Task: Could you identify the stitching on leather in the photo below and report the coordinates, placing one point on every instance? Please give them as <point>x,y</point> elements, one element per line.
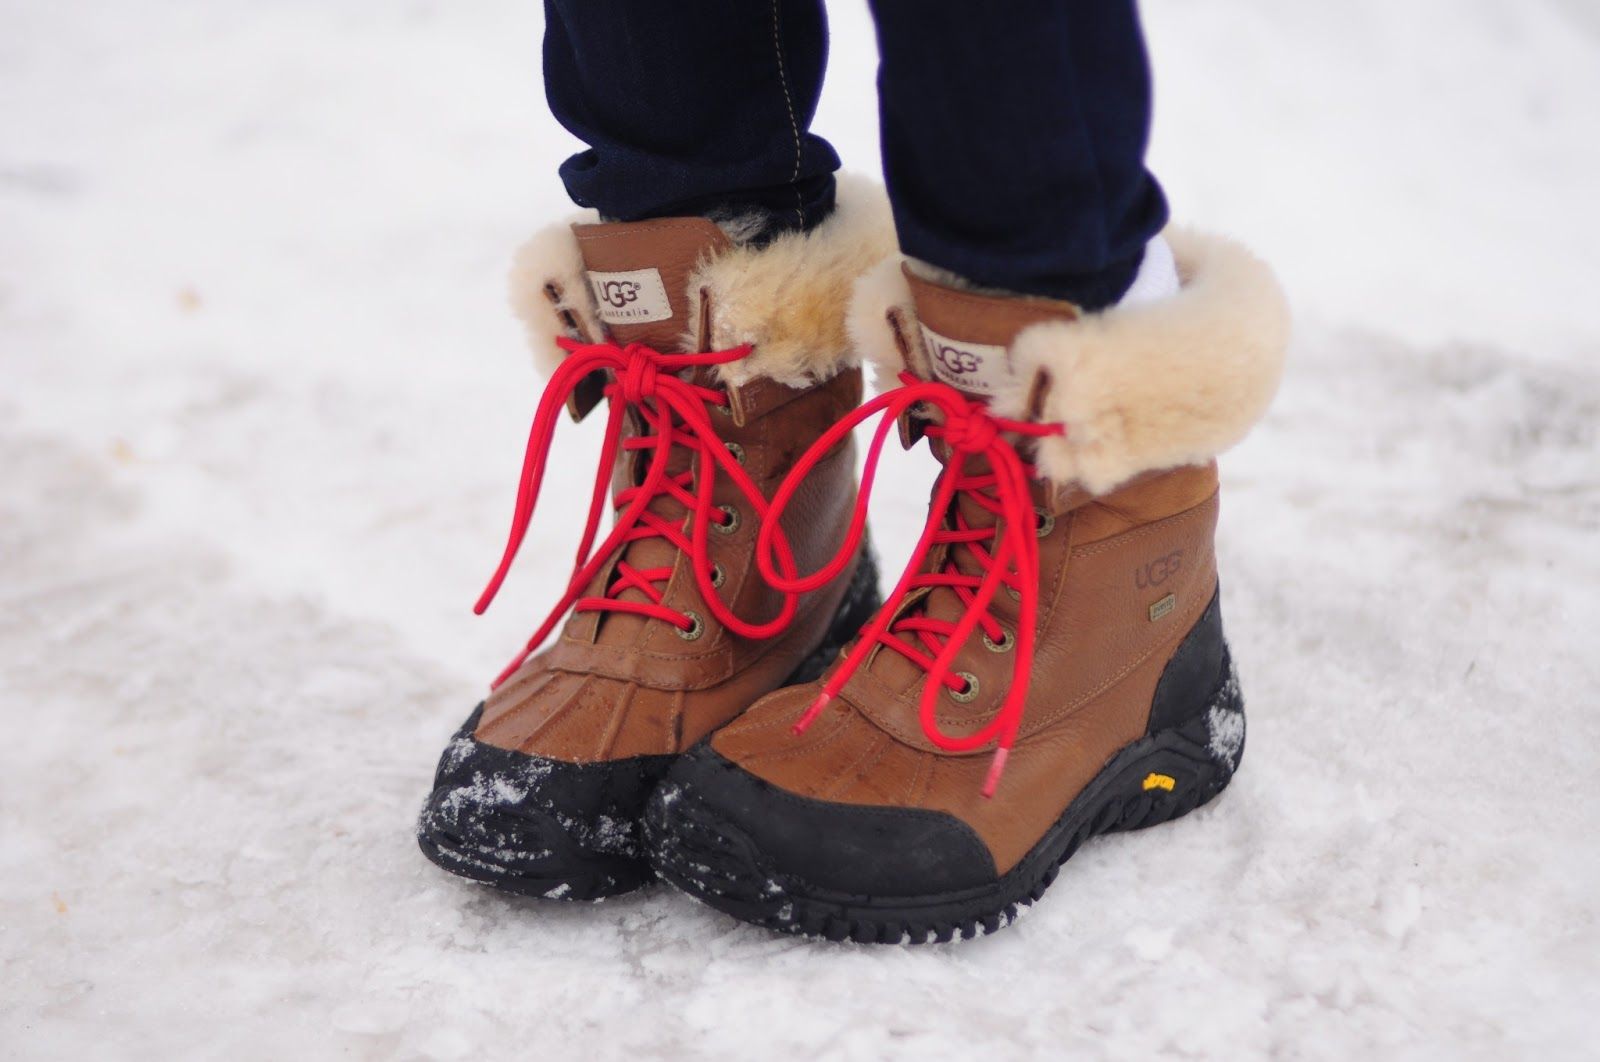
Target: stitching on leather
<point>751,726</point>
<point>1033,724</point>
<point>794,751</point>
<point>843,779</point>
<point>1111,543</point>
<point>1181,630</point>
<point>1050,307</point>
<point>619,715</point>
<point>663,226</point>
<point>674,721</point>
<point>917,786</point>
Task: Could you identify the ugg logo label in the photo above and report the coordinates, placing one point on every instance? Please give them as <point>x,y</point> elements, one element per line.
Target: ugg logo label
<point>1158,571</point>
<point>955,360</point>
<point>636,296</point>
<point>977,368</point>
<point>618,293</point>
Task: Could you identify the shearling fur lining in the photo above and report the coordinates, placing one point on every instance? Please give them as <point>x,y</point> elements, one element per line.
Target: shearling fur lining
<point>1153,386</point>
<point>548,292</point>
<point>881,318</point>
<point>1165,383</point>
<point>787,299</point>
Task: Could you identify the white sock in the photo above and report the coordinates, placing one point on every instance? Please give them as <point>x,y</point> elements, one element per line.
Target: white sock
<point>1157,277</point>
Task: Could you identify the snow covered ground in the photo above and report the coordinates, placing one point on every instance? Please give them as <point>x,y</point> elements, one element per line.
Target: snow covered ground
<point>261,409</point>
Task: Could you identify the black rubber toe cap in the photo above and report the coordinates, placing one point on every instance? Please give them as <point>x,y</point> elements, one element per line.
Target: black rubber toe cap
<point>535,825</point>
<point>713,826</point>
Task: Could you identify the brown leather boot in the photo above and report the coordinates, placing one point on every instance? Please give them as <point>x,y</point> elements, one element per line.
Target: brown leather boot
<point>1051,666</point>
<point>718,365</point>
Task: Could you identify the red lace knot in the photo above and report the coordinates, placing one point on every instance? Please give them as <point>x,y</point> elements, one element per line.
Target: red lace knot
<point>671,412</point>
<point>637,380</point>
<point>970,429</point>
<point>1006,554</point>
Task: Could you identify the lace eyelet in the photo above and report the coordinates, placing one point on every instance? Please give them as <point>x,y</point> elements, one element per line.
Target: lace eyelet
<point>718,576</point>
<point>696,627</point>
<point>725,407</point>
<point>1004,645</point>
<point>1047,522</point>
<point>733,520</point>
<point>736,450</point>
<point>1014,593</point>
<point>967,694</point>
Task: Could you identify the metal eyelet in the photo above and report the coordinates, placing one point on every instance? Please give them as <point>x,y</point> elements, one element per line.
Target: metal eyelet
<point>718,576</point>
<point>725,407</point>
<point>733,520</point>
<point>736,450</point>
<point>1004,645</point>
<point>1047,522</point>
<point>967,694</point>
<point>696,628</point>
<point>1014,593</point>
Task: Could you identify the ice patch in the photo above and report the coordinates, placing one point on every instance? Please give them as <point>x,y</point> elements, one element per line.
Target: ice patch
<point>613,835</point>
<point>1226,727</point>
<point>507,792</point>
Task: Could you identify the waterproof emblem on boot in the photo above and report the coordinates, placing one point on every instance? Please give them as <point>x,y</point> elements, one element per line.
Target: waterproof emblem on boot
<point>713,384</point>
<point>1050,666</point>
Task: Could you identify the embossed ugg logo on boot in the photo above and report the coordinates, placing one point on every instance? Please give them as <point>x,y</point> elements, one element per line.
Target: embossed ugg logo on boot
<point>1158,571</point>
<point>636,296</point>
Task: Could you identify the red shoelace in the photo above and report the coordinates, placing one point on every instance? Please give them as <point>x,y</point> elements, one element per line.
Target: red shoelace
<point>675,411</point>
<point>970,430</point>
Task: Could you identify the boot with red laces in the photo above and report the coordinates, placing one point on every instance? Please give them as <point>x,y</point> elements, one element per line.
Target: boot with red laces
<point>1050,666</point>
<point>717,365</point>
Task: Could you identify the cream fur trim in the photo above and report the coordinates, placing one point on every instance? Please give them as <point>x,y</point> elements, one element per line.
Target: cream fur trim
<point>1161,384</point>
<point>1151,386</point>
<point>787,299</point>
<point>882,297</point>
<point>549,293</point>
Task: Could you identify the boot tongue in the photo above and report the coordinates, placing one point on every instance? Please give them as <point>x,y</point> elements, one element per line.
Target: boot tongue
<point>639,274</point>
<point>966,336</point>
<point>966,339</point>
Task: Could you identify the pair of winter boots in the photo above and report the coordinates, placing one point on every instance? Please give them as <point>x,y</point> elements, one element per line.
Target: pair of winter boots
<point>729,706</point>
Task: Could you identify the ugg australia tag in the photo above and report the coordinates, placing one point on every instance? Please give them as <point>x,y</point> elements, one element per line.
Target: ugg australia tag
<point>633,297</point>
<point>977,368</point>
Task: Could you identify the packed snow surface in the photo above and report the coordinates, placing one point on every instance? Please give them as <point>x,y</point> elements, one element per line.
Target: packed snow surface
<point>261,410</point>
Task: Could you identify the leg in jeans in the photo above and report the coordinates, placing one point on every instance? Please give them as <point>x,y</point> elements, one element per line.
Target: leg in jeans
<point>699,107</point>
<point>1013,141</point>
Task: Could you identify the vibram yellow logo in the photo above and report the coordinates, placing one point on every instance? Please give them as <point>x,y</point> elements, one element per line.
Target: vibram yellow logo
<point>1159,781</point>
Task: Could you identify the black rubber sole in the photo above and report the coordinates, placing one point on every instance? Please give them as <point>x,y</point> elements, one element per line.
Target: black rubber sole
<point>565,831</point>
<point>535,827</point>
<point>1154,780</point>
<point>565,871</point>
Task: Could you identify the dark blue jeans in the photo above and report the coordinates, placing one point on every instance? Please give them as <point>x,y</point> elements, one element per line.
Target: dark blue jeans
<point>1014,131</point>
